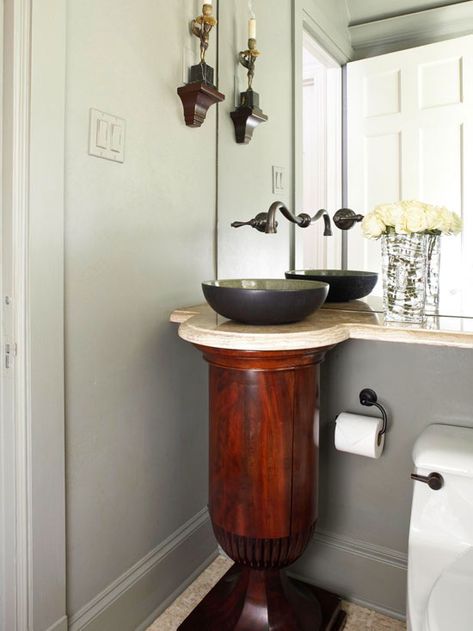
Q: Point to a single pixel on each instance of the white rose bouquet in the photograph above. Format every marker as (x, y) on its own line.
(408, 217)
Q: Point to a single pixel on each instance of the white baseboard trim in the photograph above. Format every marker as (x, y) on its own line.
(367, 574)
(197, 528)
(364, 549)
(60, 625)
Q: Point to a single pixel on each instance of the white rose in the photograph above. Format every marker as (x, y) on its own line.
(457, 224)
(434, 218)
(388, 213)
(416, 219)
(401, 222)
(372, 226)
(444, 221)
(397, 215)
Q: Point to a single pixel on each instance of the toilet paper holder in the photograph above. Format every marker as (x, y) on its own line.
(369, 398)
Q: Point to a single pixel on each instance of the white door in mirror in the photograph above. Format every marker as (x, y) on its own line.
(410, 136)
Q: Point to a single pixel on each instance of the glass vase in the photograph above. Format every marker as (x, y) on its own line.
(404, 276)
(432, 290)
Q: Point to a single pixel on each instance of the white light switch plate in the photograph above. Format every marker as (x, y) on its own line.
(279, 183)
(106, 136)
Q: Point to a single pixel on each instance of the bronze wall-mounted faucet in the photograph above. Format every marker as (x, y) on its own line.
(344, 219)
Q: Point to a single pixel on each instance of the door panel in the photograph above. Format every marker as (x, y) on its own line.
(410, 120)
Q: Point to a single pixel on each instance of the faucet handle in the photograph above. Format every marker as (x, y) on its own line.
(259, 222)
(345, 218)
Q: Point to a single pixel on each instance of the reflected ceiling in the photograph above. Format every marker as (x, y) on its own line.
(361, 11)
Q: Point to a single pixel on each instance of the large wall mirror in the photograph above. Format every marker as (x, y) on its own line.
(369, 101)
(408, 134)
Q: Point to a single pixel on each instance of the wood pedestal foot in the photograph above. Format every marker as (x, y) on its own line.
(260, 600)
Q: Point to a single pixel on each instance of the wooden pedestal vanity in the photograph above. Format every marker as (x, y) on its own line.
(264, 456)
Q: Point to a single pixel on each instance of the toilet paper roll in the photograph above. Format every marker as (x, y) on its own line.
(357, 434)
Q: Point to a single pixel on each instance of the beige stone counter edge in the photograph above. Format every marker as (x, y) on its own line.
(199, 325)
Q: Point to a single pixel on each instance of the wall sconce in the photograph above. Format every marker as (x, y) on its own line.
(200, 93)
(248, 114)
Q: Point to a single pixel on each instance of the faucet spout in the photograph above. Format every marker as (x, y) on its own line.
(327, 223)
(271, 223)
(303, 220)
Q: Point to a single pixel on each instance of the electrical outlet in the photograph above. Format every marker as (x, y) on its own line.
(279, 180)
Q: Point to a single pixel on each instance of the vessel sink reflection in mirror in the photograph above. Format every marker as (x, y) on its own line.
(345, 285)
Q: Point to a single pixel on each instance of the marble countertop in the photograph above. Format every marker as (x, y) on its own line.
(329, 326)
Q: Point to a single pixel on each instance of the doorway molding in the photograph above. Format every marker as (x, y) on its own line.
(308, 21)
(32, 437)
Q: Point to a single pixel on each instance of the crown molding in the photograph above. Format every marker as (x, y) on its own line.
(412, 29)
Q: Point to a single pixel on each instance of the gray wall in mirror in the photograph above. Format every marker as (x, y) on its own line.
(245, 171)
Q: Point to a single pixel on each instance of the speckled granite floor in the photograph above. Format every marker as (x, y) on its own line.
(359, 619)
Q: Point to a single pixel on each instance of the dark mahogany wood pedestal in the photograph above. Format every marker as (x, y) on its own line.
(263, 491)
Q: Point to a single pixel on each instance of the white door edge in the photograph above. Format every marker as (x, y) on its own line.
(16, 455)
(32, 592)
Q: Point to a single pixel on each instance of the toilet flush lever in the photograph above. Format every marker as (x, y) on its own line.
(435, 481)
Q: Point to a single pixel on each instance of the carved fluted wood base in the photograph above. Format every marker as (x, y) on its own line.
(263, 554)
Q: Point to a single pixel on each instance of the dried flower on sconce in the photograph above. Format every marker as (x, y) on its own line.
(248, 114)
(201, 27)
(200, 93)
(248, 60)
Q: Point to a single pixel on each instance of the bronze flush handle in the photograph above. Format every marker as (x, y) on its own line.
(435, 481)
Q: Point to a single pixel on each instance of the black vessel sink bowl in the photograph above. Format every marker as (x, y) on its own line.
(265, 301)
(345, 285)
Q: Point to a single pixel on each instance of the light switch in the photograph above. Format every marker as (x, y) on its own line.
(102, 134)
(116, 140)
(106, 136)
(279, 184)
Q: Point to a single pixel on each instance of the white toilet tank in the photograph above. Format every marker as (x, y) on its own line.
(441, 529)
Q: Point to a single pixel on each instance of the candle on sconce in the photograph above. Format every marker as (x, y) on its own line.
(252, 28)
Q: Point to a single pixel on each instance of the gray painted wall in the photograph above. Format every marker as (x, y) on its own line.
(364, 505)
(139, 240)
